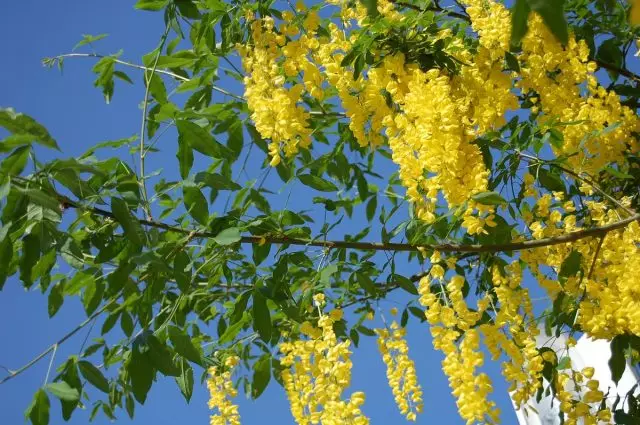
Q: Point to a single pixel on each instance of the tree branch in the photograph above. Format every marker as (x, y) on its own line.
(378, 246)
(54, 346)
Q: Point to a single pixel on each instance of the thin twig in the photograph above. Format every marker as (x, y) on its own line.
(145, 106)
(53, 356)
(144, 68)
(54, 346)
(595, 256)
(182, 78)
(586, 180)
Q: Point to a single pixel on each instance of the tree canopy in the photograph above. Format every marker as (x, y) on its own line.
(329, 155)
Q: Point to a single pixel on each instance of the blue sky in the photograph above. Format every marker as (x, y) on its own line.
(77, 116)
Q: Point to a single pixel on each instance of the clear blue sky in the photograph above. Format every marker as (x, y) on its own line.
(76, 115)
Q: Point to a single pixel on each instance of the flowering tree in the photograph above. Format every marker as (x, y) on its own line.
(477, 153)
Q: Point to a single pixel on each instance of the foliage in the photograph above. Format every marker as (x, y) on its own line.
(471, 143)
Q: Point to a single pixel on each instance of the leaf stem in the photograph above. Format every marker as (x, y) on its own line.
(53, 356)
(145, 107)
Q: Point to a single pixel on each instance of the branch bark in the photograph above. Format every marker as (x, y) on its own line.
(378, 246)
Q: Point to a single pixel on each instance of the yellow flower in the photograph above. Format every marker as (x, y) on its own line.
(319, 299)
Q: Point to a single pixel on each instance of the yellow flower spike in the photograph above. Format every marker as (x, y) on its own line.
(221, 390)
(401, 372)
(317, 372)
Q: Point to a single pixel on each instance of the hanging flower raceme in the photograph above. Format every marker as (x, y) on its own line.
(221, 390)
(461, 349)
(401, 370)
(317, 372)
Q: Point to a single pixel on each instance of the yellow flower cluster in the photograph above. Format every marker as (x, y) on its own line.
(401, 370)
(599, 128)
(586, 408)
(221, 390)
(513, 332)
(431, 126)
(275, 109)
(317, 372)
(594, 123)
(450, 323)
(607, 291)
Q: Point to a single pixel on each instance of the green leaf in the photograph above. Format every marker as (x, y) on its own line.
(512, 65)
(161, 357)
(216, 181)
(201, 140)
(317, 183)
(55, 299)
(6, 254)
(141, 373)
(196, 204)
(157, 88)
(93, 375)
(110, 250)
(183, 345)
(519, 21)
(185, 380)
(152, 5)
(489, 198)
(564, 363)
(405, 284)
(126, 323)
(372, 205)
(182, 270)
(618, 361)
(187, 9)
(261, 317)
(29, 258)
(88, 39)
(130, 224)
(550, 180)
(617, 173)
(185, 157)
(14, 164)
(130, 405)
(228, 236)
(63, 391)
(17, 123)
(571, 265)
(261, 376)
(42, 199)
(38, 410)
(366, 283)
(552, 13)
(260, 252)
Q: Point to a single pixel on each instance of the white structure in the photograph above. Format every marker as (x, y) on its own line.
(586, 353)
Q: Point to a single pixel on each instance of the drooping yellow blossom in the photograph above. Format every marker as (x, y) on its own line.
(317, 372)
(221, 389)
(401, 370)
